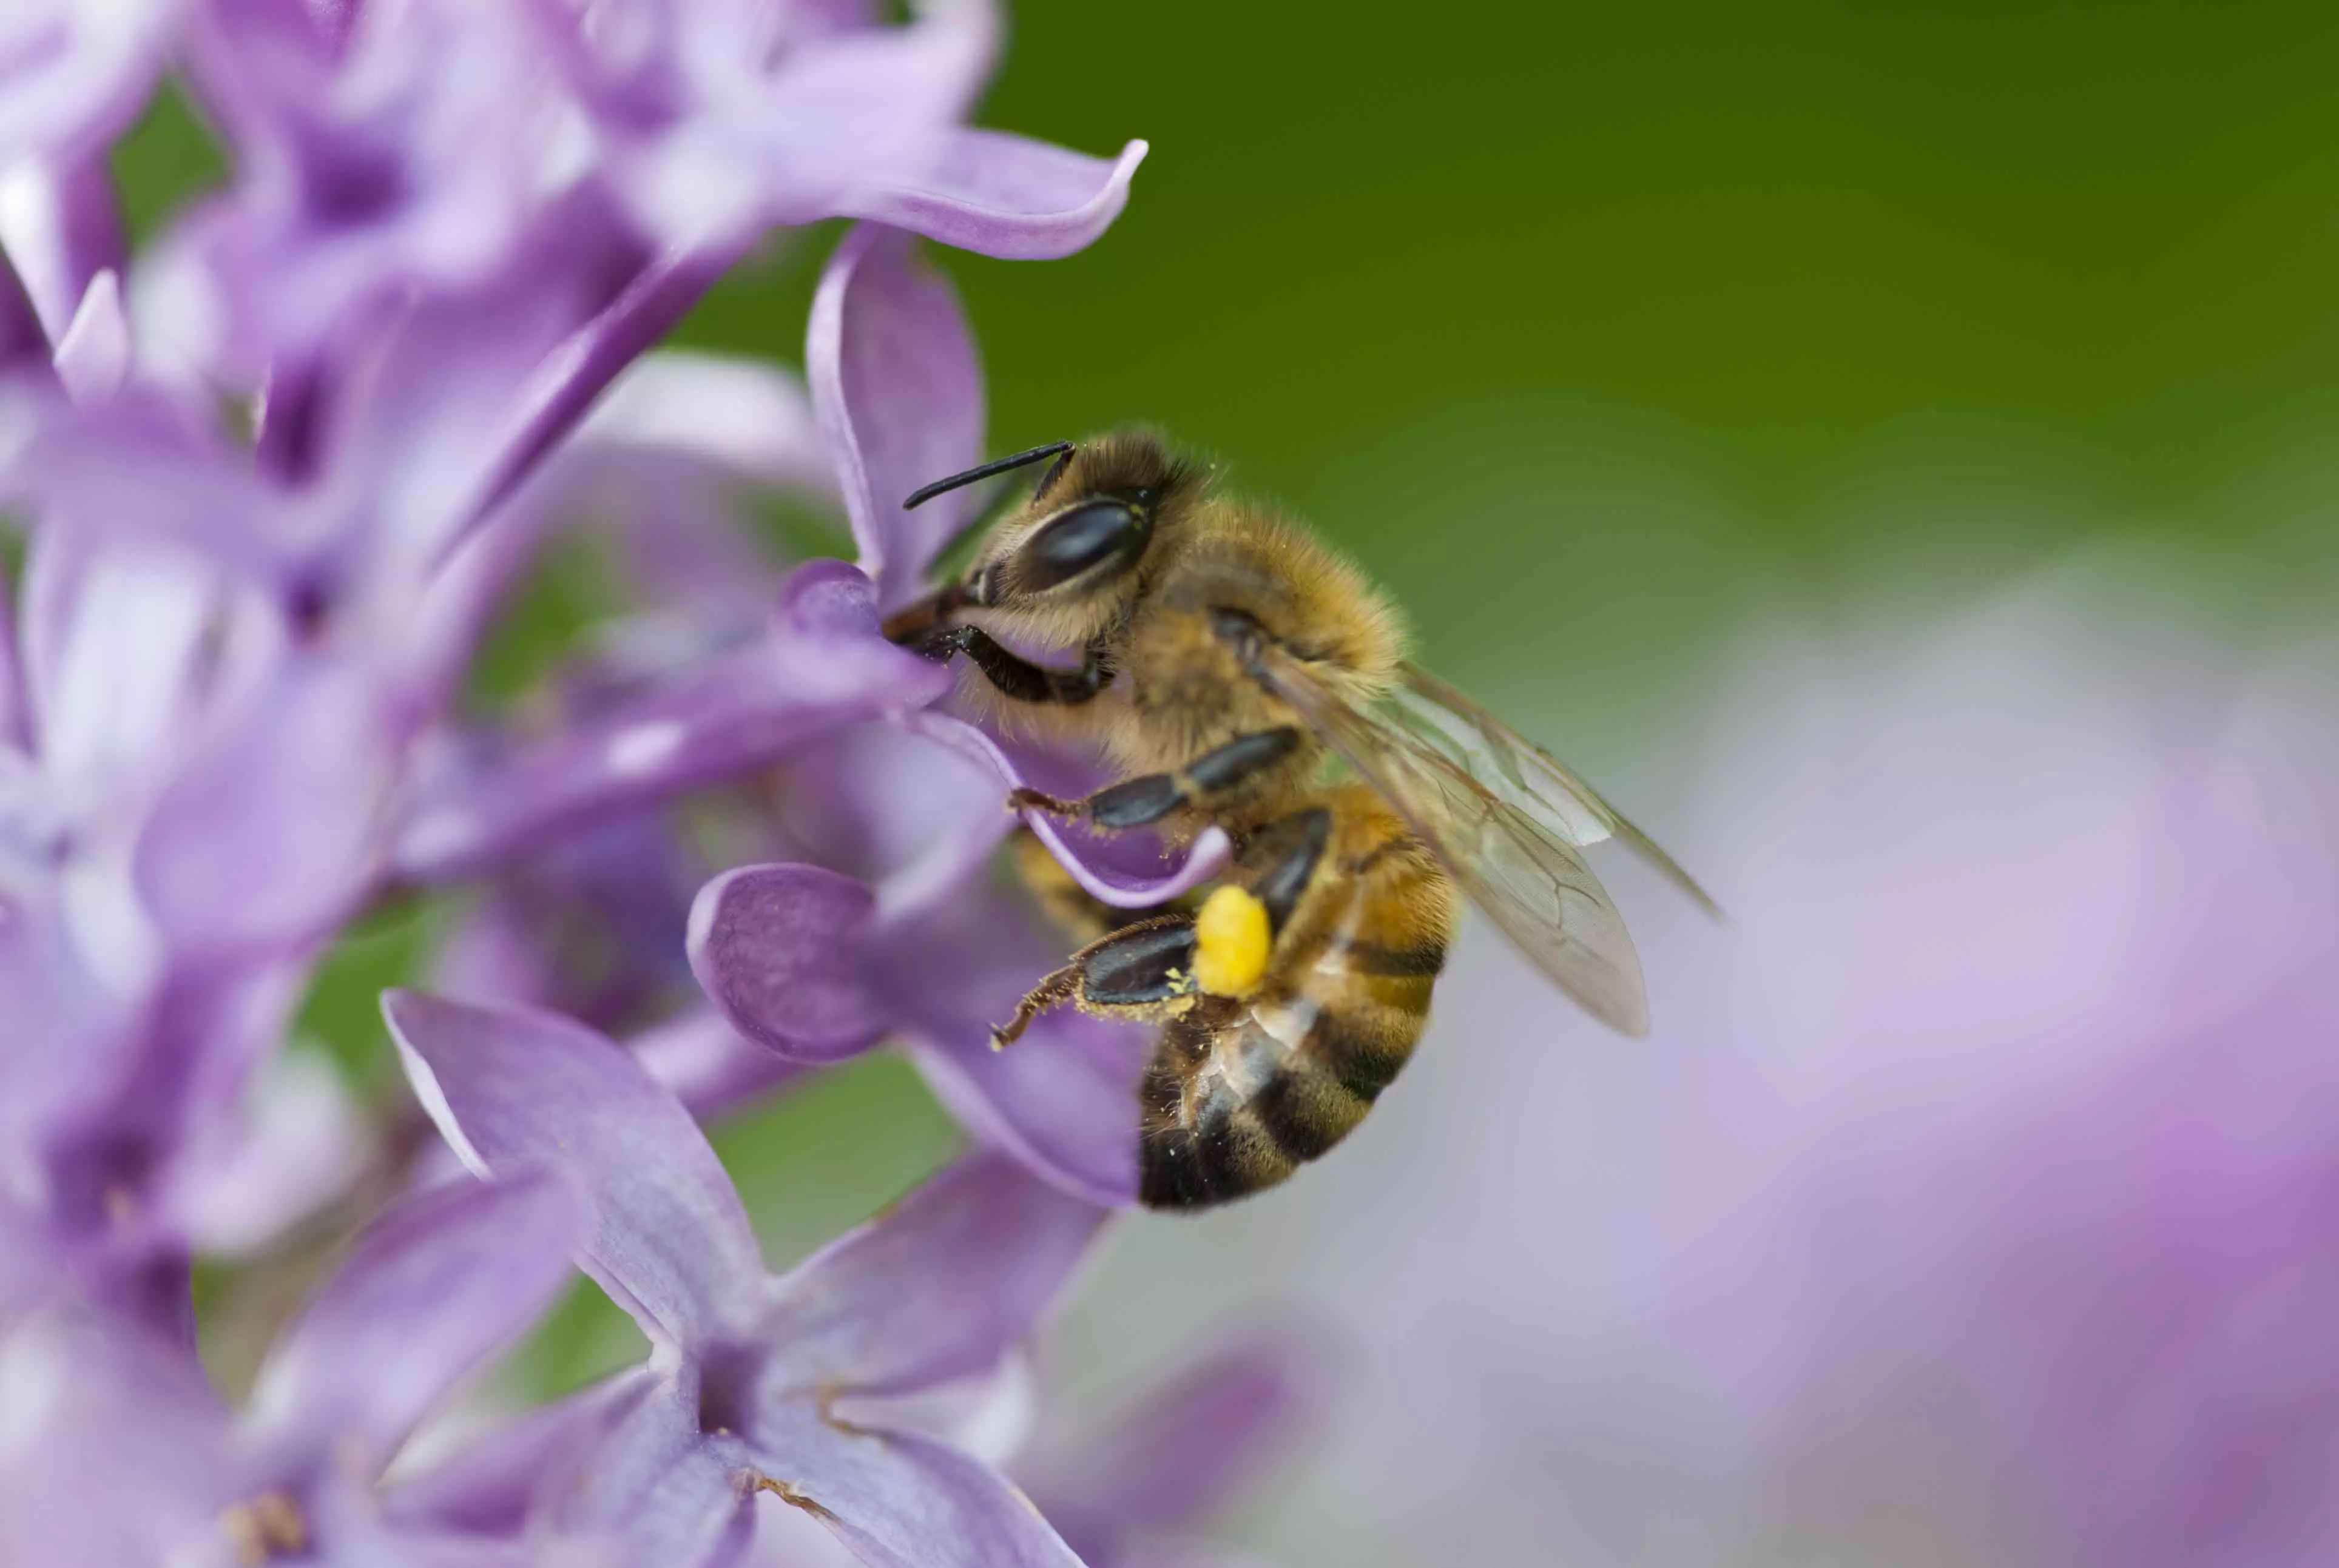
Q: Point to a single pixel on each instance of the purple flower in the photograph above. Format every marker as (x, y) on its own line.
(226, 729)
(755, 1384)
(115, 1449)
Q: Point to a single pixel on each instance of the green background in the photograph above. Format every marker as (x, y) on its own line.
(1596, 330)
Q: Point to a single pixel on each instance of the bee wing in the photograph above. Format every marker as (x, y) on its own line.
(1520, 771)
(1521, 867)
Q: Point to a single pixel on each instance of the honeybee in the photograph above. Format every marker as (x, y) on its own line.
(1225, 655)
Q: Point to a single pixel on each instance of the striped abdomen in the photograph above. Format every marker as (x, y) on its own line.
(1239, 1094)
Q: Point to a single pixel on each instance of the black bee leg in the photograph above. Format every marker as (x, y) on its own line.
(1140, 966)
(1014, 676)
(1149, 797)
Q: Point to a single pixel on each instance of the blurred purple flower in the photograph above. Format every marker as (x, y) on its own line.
(757, 1383)
(116, 1451)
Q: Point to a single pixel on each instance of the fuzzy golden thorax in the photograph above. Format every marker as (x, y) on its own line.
(1178, 689)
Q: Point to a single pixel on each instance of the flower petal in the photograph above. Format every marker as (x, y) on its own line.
(93, 357)
(898, 391)
(672, 1496)
(1063, 1102)
(59, 227)
(430, 1292)
(1101, 865)
(113, 1449)
(709, 1065)
(940, 1287)
(496, 1485)
(1000, 194)
(782, 950)
(245, 1177)
(903, 1502)
(665, 1234)
(1228, 1418)
(822, 668)
(269, 837)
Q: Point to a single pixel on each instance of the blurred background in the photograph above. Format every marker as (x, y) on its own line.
(1673, 362)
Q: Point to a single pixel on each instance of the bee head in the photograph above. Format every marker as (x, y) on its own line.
(1067, 562)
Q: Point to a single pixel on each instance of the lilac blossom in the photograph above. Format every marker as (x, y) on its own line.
(279, 471)
(118, 1450)
(758, 1384)
(448, 230)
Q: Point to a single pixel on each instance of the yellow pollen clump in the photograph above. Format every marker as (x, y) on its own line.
(1231, 941)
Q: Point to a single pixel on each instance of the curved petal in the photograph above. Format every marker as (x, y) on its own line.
(671, 1495)
(270, 835)
(824, 667)
(1064, 1100)
(245, 1177)
(1000, 194)
(782, 951)
(1229, 1417)
(1099, 864)
(898, 392)
(940, 1287)
(497, 1483)
(900, 1501)
(430, 1292)
(58, 224)
(93, 357)
(511, 1089)
(709, 1066)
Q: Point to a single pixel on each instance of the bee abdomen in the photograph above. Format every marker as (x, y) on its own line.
(1229, 1107)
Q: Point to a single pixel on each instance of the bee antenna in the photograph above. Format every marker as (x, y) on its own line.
(926, 493)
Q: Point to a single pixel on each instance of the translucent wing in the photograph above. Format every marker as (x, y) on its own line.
(1461, 732)
(1506, 819)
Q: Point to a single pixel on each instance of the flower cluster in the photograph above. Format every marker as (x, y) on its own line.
(277, 476)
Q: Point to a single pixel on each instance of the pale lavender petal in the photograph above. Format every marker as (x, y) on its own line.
(1063, 1099)
(246, 1175)
(93, 357)
(822, 668)
(739, 418)
(283, 815)
(898, 392)
(783, 951)
(430, 1292)
(901, 1501)
(509, 1089)
(115, 1449)
(73, 74)
(58, 227)
(522, 1468)
(1227, 1419)
(674, 1495)
(710, 1066)
(942, 1286)
(565, 385)
(1000, 194)
(1099, 865)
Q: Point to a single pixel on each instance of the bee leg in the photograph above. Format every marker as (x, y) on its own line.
(1013, 675)
(1149, 797)
(1137, 969)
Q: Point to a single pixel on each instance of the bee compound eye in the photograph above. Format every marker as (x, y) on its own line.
(1079, 541)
